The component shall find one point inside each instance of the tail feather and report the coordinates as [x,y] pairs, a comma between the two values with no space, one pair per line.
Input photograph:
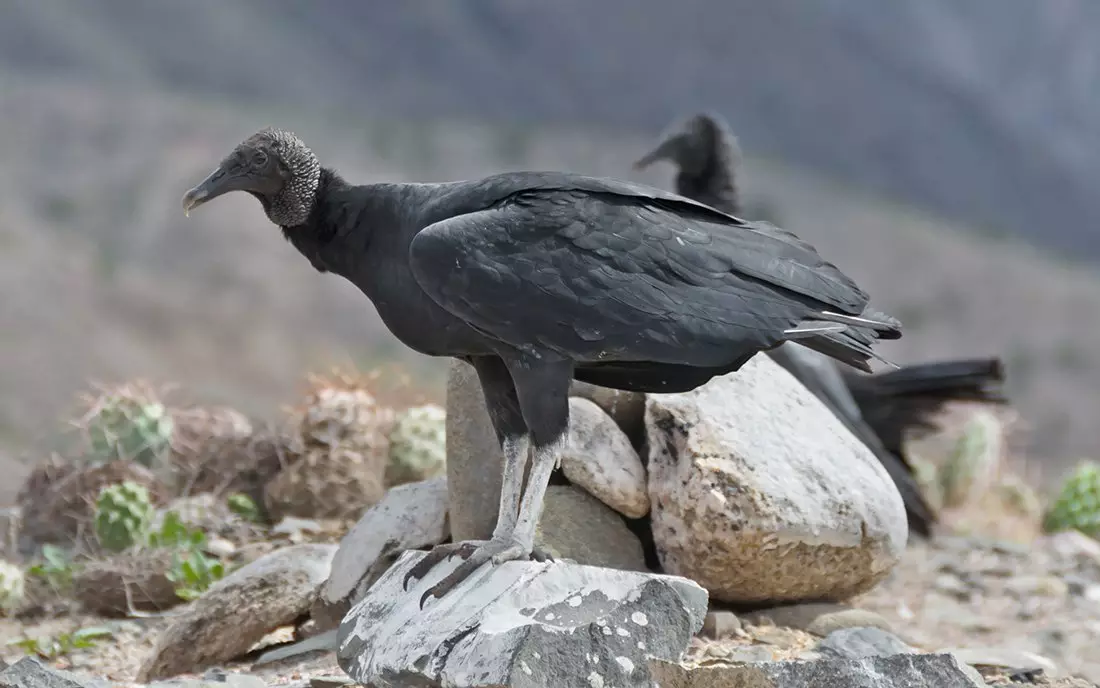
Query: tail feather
[846,338]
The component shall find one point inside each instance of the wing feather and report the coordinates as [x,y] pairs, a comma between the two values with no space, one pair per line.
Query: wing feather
[596,276]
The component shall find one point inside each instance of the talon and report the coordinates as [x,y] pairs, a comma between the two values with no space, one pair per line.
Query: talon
[435,556]
[425,596]
[541,555]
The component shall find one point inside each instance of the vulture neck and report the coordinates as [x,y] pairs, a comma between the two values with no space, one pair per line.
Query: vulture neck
[343,222]
[714,182]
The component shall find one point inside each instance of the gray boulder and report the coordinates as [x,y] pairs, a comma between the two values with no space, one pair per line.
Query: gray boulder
[862,642]
[237,611]
[599,458]
[409,516]
[475,462]
[29,672]
[626,408]
[577,526]
[520,624]
[760,494]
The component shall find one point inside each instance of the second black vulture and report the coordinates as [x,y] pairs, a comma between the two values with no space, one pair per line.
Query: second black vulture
[539,278]
[881,409]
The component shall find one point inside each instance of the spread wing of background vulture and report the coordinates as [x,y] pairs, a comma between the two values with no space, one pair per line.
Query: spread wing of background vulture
[880,409]
[537,278]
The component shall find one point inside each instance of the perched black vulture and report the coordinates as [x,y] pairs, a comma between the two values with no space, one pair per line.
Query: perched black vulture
[539,278]
[880,409]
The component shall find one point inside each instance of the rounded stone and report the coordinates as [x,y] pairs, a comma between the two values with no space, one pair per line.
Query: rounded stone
[760,494]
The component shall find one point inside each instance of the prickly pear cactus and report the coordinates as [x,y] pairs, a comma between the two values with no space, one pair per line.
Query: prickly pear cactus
[1077,506]
[11,586]
[130,423]
[974,461]
[123,516]
[418,445]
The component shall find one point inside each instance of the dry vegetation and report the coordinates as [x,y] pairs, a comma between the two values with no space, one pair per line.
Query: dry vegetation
[105,279]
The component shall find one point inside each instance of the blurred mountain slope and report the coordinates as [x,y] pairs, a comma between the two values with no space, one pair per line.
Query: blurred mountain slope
[979,109]
[105,279]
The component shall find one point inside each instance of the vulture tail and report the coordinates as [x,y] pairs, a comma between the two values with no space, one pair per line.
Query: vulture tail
[846,338]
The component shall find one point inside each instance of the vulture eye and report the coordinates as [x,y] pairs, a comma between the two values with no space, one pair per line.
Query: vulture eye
[260,160]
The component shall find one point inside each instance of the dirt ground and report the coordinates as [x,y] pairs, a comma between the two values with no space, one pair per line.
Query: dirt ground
[991,597]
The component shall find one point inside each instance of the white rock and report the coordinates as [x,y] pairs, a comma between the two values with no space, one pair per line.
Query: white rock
[519,624]
[600,458]
[409,516]
[760,494]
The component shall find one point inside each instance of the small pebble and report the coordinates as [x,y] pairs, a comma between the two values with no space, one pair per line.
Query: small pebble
[1013,660]
[720,623]
[827,624]
[818,618]
[1044,586]
[859,643]
[950,584]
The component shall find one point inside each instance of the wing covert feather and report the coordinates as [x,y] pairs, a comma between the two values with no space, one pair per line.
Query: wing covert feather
[600,279]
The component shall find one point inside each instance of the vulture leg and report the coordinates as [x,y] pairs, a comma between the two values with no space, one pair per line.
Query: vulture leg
[529,407]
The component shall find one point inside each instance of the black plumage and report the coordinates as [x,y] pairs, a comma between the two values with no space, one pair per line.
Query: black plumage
[881,409]
[539,278]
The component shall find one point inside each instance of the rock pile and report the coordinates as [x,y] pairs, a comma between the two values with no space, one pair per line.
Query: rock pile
[736,534]
[728,493]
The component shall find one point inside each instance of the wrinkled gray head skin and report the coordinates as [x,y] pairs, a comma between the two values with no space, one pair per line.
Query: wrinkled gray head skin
[274,166]
[692,144]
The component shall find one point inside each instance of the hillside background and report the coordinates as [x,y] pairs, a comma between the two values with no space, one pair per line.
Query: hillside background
[943,152]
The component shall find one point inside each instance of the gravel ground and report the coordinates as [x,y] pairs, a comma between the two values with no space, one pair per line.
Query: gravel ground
[954,592]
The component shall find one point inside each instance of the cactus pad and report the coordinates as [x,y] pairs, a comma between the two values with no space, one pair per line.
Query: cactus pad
[1077,506]
[128,422]
[123,516]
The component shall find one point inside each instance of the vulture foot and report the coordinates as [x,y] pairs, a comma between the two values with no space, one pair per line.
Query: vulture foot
[475,553]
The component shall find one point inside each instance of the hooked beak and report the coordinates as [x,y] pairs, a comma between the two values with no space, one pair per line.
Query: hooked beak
[217,183]
[666,150]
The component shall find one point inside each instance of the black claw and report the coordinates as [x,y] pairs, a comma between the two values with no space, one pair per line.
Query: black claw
[435,556]
[540,555]
[466,550]
[455,578]
[424,597]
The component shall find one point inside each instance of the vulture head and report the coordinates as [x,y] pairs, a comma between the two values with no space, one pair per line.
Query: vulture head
[274,166]
[692,145]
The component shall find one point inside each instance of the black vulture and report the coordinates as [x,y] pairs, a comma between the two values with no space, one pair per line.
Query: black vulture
[539,278]
[880,409]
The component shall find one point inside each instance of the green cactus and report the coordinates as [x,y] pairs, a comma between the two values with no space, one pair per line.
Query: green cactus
[123,516]
[1077,506]
[418,445]
[927,477]
[974,461]
[128,423]
[244,506]
[11,586]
